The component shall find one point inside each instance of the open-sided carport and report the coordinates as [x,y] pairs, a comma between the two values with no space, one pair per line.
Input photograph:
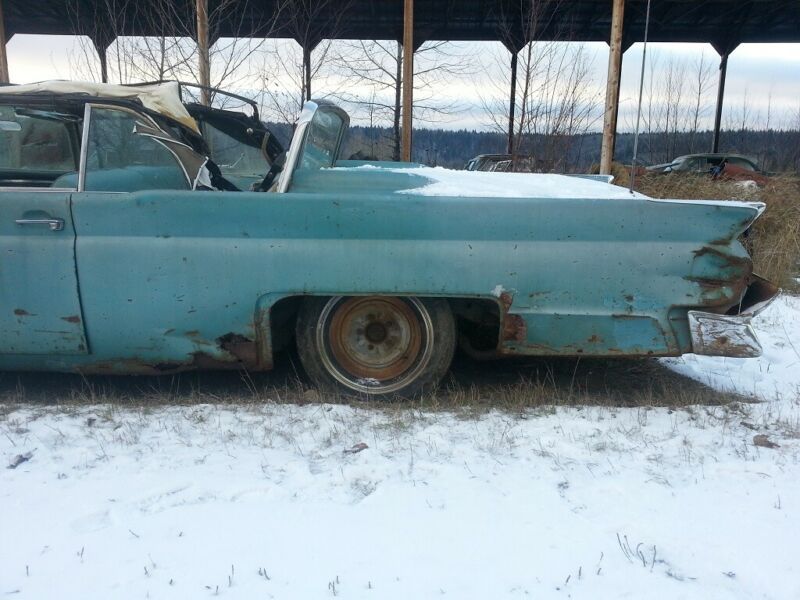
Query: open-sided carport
[725,24]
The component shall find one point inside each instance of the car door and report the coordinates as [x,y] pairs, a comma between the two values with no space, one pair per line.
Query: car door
[130,199]
[40,309]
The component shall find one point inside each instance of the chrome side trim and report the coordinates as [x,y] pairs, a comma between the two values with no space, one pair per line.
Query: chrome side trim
[36,189]
[87,116]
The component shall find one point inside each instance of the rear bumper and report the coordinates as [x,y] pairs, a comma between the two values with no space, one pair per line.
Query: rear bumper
[732,334]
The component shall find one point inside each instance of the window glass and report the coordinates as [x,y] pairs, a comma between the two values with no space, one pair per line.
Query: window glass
[740,162]
[695,164]
[323,135]
[232,156]
[117,159]
[36,140]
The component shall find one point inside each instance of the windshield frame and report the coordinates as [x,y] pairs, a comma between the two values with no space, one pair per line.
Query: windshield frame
[298,144]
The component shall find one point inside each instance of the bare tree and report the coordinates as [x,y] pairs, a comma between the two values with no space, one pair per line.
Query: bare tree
[794,126]
[702,84]
[170,52]
[675,102]
[287,71]
[373,71]
[555,103]
[553,100]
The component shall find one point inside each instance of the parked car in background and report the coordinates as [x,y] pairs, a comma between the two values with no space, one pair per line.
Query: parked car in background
[503,163]
[489,162]
[132,241]
[704,163]
[733,167]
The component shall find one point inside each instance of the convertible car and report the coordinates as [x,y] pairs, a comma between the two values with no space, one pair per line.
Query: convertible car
[142,233]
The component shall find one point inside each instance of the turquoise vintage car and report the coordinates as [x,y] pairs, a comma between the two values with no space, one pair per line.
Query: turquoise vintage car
[124,249]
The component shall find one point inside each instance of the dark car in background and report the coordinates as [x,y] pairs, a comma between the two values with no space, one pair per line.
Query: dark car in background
[705,163]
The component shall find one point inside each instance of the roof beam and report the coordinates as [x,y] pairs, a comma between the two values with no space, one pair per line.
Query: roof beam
[580,20]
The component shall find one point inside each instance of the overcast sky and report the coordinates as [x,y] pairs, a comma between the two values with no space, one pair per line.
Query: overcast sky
[755,72]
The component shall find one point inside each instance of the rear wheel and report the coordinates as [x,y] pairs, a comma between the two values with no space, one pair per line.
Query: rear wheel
[380,346]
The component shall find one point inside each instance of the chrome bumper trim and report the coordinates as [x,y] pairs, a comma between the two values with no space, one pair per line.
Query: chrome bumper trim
[733,335]
[723,335]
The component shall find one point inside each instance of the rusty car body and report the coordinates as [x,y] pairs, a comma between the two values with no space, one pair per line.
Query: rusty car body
[125,249]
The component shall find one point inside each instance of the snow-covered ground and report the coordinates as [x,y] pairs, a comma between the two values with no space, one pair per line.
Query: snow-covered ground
[268,502]
[773,376]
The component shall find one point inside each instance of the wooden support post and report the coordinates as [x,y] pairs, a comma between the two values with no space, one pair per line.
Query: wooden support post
[307,71]
[612,87]
[4,78]
[512,102]
[616,109]
[723,71]
[204,60]
[408,77]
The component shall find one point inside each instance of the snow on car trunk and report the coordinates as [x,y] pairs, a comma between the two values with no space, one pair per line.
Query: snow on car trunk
[479,184]
[285,501]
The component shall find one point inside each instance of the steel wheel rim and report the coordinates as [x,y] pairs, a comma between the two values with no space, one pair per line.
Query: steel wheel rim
[375,344]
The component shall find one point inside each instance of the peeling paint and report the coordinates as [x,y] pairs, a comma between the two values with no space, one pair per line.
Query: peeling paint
[515,329]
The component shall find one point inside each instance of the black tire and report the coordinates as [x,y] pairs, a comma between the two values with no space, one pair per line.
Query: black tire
[379,347]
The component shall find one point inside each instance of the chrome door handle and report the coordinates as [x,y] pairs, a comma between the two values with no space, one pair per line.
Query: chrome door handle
[53,224]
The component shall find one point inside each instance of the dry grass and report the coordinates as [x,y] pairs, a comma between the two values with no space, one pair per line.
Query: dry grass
[774,241]
[512,386]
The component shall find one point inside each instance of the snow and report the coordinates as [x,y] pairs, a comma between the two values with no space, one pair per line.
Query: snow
[285,501]
[449,182]
[747,185]
[773,376]
[481,184]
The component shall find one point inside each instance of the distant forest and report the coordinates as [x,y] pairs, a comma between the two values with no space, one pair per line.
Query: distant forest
[777,151]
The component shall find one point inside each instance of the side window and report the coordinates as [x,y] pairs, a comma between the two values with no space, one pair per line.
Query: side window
[739,162]
[232,156]
[120,160]
[696,164]
[36,146]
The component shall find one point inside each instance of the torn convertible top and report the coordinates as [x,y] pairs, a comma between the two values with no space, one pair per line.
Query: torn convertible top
[162,98]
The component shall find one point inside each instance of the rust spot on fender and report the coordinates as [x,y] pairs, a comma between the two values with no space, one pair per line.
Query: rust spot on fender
[242,348]
[21,312]
[726,259]
[506,300]
[71,319]
[514,328]
[234,351]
